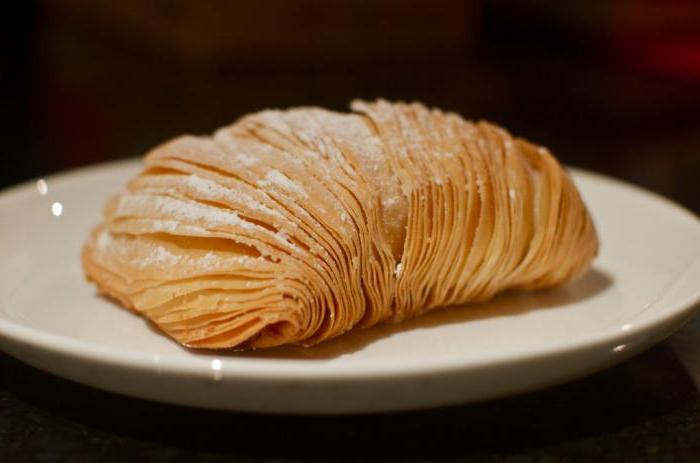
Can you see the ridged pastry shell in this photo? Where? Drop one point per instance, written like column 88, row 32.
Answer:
column 296, row 226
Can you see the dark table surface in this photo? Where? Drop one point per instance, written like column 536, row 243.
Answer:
column 644, row 410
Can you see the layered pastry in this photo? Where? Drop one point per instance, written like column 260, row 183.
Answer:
column 296, row 226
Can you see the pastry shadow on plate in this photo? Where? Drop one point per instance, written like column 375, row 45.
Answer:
column 509, row 303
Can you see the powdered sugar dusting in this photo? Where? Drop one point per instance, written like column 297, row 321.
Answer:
column 104, row 240
column 160, row 256
column 185, row 211
column 209, row 189
column 246, row 160
column 390, row 202
column 143, row 253
column 275, row 177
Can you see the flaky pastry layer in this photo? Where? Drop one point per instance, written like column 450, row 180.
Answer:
column 296, row 226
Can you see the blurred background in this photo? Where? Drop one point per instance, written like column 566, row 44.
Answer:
column 612, row 86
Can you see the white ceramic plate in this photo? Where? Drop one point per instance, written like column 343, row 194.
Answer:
column 644, row 285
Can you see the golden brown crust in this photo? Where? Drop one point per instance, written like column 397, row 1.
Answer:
column 296, row 226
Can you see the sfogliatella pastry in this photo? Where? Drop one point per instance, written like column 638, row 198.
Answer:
column 296, row 226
